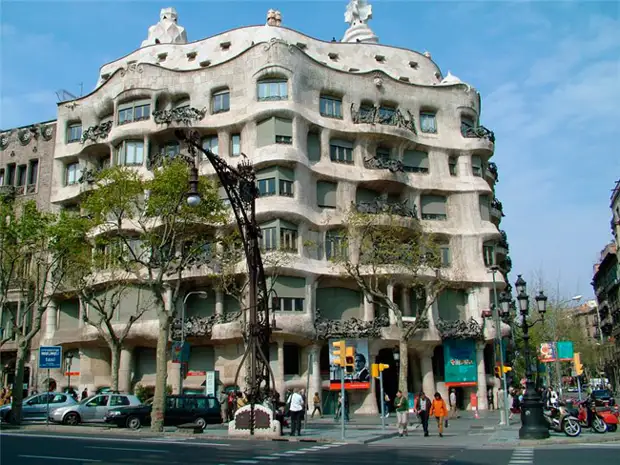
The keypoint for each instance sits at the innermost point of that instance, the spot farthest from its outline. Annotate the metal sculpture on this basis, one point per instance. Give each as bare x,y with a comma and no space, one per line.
459,329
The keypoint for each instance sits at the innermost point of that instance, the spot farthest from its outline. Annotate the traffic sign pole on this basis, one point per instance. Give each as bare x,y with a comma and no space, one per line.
47,396
343,405
382,400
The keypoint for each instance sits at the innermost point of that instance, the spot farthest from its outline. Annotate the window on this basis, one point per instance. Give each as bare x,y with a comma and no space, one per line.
292,360
211,143
415,161
335,245
134,111
272,89
382,153
485,207
2,177
183,103
171,149
452,166
10,174
286,188
291,304
58,399
488,253
33,172
331,107
221,101
274,131
341,151
476,165
235,145
326,194
467,123
269,240
387,115
313,143
73,173
118,401
266,187
130,153
74,133
446,256
22,171
288,239
433,207
428,122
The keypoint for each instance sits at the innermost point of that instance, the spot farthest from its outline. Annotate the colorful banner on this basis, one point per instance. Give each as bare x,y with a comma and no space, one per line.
460,362
180,352
564,349
360,378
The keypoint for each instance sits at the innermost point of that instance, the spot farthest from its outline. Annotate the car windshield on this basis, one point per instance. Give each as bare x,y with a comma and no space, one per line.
601,393
88,399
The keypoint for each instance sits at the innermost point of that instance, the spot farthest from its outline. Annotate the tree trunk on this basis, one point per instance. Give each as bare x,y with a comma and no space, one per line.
161,375
403,350
18,383
115,350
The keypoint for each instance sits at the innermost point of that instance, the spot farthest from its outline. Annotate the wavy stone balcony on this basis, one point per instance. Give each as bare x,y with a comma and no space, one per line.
490,174
380,206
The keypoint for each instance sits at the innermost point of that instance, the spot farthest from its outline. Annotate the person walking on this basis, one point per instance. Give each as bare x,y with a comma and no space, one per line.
401,403
84,394
454,411
224,405
296,407
491,399
316,400
440,411
386,406
422,408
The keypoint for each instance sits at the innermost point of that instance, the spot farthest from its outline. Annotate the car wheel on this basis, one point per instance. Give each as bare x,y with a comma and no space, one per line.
71,419
134,422
201,422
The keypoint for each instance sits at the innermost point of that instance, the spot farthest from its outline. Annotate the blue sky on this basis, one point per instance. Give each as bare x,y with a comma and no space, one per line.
548,73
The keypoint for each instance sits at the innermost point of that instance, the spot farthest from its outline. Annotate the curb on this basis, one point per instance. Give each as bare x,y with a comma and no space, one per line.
574,441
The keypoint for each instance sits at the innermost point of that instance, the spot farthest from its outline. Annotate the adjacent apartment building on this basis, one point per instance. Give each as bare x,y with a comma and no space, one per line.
322,123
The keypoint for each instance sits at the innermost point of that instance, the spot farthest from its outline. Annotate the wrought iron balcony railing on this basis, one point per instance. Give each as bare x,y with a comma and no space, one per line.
379,206
97,132
381,163
479,132
378,115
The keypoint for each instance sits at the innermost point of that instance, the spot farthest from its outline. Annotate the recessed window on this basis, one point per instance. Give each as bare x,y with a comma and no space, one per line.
428,122
274,131
221,101
433,207
488,254
341,151
387,115
130,153
73,173
211,143
415,161
2,177
272,89
11,168
446,256
286,188
326,194
22,172
452,165
467,124
33,173
74,133
269,238
331,107
382,153
134,111
335,245
313,143
266,187
476,165
171,149
288,239
484,202
235,145
277,177
291,304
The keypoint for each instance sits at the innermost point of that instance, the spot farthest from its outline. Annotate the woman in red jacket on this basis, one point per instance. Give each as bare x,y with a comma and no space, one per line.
440,411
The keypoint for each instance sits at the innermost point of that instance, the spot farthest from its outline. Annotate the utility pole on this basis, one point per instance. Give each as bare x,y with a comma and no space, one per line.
504,417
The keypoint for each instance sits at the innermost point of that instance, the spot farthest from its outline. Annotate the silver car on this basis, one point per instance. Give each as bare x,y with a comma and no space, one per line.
92,409
35,407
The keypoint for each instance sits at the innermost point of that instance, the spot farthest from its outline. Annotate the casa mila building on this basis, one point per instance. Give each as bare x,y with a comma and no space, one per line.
322,123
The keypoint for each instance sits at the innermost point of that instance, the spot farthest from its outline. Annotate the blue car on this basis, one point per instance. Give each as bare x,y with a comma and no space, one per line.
35,407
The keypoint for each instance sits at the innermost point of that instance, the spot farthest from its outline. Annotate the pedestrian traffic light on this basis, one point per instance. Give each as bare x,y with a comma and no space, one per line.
338,353
377,368
349,361
577,363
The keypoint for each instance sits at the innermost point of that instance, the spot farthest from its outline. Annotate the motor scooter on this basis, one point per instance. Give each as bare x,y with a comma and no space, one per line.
561,420
610,416
589,418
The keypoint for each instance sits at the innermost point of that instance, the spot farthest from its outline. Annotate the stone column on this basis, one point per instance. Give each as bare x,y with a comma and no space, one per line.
280,374
174,377
369,308
405,305
482,378
51,317
390,294
310,296
315,376
125,370
428,378
416,372
219,302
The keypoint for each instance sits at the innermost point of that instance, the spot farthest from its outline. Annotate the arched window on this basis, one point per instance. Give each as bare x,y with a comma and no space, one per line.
272,89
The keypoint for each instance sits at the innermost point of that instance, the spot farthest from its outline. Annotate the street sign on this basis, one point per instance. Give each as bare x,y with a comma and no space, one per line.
50,357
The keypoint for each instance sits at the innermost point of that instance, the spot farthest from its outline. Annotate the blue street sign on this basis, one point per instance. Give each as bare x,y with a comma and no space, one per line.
50,357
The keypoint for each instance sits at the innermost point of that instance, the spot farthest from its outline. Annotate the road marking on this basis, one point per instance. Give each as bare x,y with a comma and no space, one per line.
266,457
130,440
295,452
48,457
247,461
522,457
128,449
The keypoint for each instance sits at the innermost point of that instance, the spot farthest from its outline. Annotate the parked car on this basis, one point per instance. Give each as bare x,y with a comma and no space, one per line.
603,398
93,408
35,407
180,409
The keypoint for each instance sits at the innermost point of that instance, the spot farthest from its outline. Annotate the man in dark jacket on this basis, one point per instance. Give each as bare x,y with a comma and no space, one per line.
422,408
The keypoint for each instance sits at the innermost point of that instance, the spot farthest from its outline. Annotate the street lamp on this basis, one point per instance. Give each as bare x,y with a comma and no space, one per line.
533,423
69,359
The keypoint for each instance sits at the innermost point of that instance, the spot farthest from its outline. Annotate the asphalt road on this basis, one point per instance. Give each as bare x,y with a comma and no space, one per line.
30,448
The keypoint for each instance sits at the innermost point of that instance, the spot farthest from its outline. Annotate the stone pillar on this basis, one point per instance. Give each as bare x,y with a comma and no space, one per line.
405,305
315,376
125,370
219,302
82,310
280,374
174,377
369,308
310,297
390,294
51,317
482,378
416,372
428,378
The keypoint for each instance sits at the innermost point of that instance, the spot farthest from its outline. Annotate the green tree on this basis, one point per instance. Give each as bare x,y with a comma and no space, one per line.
162,237
381,250
36,250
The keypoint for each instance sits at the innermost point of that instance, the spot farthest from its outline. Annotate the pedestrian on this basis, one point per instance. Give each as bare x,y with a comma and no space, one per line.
296,407
490,399
346,406
386,406
440,411
84,393
422,408
401,404
241,400
232,402
553,398
454,411
514,406
338,407
316,400
223,400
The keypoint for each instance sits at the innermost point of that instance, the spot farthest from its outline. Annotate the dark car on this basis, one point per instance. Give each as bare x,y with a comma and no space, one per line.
199,410
603,398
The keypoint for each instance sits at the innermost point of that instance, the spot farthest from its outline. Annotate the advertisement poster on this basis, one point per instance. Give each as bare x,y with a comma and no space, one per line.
565,352
360,378
460,362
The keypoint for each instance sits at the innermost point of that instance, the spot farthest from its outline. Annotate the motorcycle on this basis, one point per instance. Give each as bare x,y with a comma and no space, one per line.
610,416
589,418
561,420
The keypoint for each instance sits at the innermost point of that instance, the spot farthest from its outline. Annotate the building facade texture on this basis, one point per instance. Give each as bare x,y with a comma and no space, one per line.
322,123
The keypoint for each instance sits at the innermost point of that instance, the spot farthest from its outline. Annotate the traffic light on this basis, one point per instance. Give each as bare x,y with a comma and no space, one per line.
498,372
349,361
338,353
507,369
377,368
577,363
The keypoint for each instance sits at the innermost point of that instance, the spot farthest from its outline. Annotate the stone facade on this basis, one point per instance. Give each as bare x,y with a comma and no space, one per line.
323,123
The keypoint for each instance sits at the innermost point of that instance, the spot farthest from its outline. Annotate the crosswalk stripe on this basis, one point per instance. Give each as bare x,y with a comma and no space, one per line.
266,457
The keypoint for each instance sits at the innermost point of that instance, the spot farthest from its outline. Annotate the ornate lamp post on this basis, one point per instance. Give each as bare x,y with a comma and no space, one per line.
533,424
69,359
240,186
